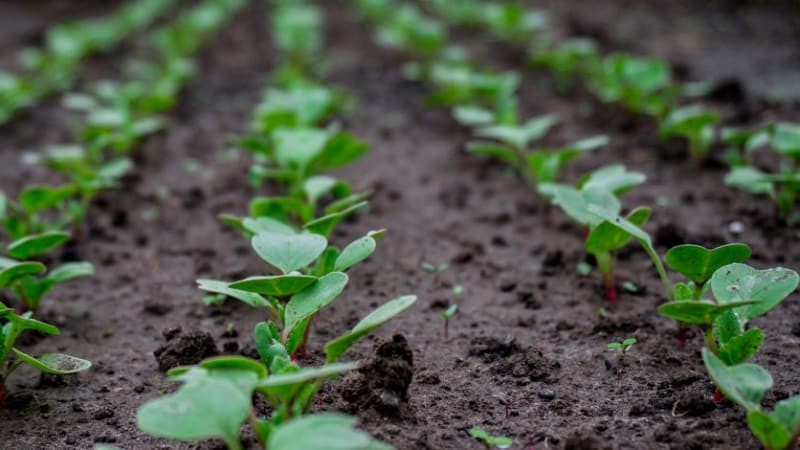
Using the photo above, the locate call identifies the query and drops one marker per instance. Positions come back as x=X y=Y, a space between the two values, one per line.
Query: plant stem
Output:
x=3 y=394
x=681 y=335
x=605 y=262
x=233 y=444
x=710 y=341
x=253 y=421
x=662 y=273
x=445 y=328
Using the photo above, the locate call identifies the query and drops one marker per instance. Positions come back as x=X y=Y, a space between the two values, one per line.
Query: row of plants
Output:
x=720 y=294
x=54 y=67
x=295 y=141
x=44 y=218
x=646 y=86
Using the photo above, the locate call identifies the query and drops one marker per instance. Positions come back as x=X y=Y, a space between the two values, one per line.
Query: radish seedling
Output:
x=698 y=264
x=215 y=400
x=743 y=142
x=642 y=84
x=447 y=315
x=742 y=294
x=694 y=123
x=20 y=275
x=745 y=385
x=312 y=276
x=11 y=326
x=488 y=440
x=218 y=393
x=623 y=346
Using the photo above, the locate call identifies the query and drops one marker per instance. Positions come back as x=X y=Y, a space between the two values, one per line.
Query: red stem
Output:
x=682 y=337
x=717 y=395
x=611 y=294
x=445 y=328
x=2 y=395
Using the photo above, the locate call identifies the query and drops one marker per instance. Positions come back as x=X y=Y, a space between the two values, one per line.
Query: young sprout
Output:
x=20 y=275
x=447 y=315
x=743 y=143
x=642 y=84
x=488 y=440
x=435 y=269
x=623 y=346
x=12 y=326
x=745 y=385
x=569 y=59
x=694 y=123
x=458 y=290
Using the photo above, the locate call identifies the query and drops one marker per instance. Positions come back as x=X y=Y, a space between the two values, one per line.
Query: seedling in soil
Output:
x=488 y=440
x=458 y=290
x=404 y=27
x=694 y=123
x=447 y=315
x=30 y=213
x=11 y=326
x=742 y=293
x=745 y=385
x=311 y=277
x=623 y=346
x=458 y=83
x=21 y=275
x=435 y=269
x=743 y=142
x=218 y=393
x=215 y=400
x=569 y=59
x=641 y=84
x=698 y=264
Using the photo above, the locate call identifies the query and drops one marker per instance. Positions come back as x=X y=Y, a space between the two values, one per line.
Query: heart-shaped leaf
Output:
x=221 y=287
x=769 y=431
x=289 y=252
x=315 y=297
x=55 y=363
x=335 y=348
x=354 y=253
x=736 y=282
x=701 y=312
x=278 y=286
x=37 y=244
x=698 y=263
x=744 y=384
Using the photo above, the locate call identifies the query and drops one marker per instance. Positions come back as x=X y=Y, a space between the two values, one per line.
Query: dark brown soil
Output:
x=529 y=338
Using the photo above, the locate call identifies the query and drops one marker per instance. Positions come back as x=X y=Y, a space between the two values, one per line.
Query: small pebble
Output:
x=736 y=227
x=546 y=394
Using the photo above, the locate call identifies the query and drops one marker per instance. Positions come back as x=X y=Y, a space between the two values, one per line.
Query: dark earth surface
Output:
x=530 y=334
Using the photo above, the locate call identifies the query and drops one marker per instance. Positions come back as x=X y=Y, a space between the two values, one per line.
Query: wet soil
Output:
x=526 y=354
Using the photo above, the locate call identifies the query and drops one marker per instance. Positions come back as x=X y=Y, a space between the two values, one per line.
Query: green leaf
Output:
x=769 y=287
x=257 y=225
x=38 y=198
x=576 y=203
x=315 y=297
x=606 y=237
x=278 y=286
x=304 y=375
x=702 y=312
x=11 y=270
x=336 y=348
x=492 y=150
x=317 y=186
x=743 y=384
x=751 y=180
x=289 y=252
x=267 y=342
x=298 y=147
x=24 y=322
x=326 y=431
x=698 y=263
x=354 y=253
x=70 y=271
x=324 y=225
x=473 y=116
x=614 y=178
x=787 y=412
x=55 y=363
x=769 y=431
x=204 y=407
x=37 y=244
x=741 y=348
x=221 y=287
x=786 y=139
x=339 y=151
x=518 y=136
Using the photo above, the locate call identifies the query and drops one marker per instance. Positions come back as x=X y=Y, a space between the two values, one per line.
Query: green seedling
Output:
x=584 y=269
x=218 y=393
x=311 y=277
x=743 y=143
x=642 y=84
x=746 y=385
x=435 y=269
x=33 y=211
x=630 y=286
x=296 y=28
x=781 y=188
x=604 y=239
x=459 y=83
x=696 y=124
x=12 y=326
x=570 y=59
x=447 y=315
x=623 y=346
x=215 y=400
x=698 y=264
x=404 y=27
x=742 y=294
x=458 y=290
x=488 y=440
x=303 y=103
x=24 y=278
